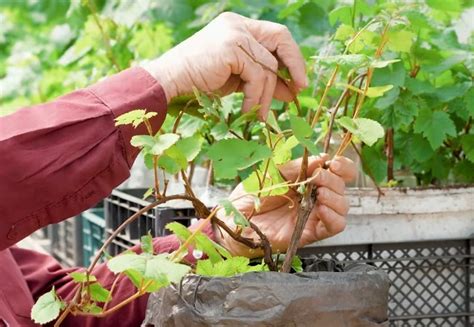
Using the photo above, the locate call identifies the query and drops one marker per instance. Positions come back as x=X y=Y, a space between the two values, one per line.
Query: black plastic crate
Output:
x=122 y=204
x=66 y=241
x=93 y=233
x=119 y=244
x=432 y=282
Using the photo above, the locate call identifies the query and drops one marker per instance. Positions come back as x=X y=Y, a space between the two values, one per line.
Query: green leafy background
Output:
x=49 y=47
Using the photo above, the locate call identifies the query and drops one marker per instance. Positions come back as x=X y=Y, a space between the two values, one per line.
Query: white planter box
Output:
x=405 y=215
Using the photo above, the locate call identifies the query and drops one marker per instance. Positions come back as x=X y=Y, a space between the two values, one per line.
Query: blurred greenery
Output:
x=50 y=47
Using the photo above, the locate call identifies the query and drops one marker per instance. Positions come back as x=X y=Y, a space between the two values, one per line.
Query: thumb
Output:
x=291 y=169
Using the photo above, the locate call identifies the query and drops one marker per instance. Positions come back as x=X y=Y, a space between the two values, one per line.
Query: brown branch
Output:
x=389 y=153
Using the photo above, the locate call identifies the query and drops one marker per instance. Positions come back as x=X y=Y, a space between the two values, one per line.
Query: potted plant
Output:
x=242 y=148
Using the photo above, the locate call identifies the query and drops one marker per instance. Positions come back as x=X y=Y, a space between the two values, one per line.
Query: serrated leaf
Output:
x=179 y=230
x=400 y=41
x=304 y=133
x=272 y=178
x=282 y=151
x=226 y=268
x=467 y=142
x=81 y=277
x=435 y=126
x=127 y=261
x=230 y=156
x=341 y=14
x=190 y=146
x=163 y=142
x=134 y=117
x=98 y=293
x=161 y=265
x=367 y=130
x=231 y=210
x=140 y=141
x=207 y=246
x=344 y=32
x=146 y=242
x=47 y=308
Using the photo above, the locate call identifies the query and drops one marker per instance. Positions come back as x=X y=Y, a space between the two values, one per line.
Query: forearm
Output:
x=62 y=157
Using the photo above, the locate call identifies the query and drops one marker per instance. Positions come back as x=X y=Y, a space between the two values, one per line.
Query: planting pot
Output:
x=355 y=296
x=406 y=215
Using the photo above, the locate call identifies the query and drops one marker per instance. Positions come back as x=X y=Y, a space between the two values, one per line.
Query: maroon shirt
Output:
x=58 y=159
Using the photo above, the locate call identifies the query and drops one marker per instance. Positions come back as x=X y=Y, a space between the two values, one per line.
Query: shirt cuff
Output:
x=128 y=90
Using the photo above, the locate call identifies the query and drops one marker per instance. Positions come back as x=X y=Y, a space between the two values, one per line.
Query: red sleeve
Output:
x=41 y=272
x=60 y=158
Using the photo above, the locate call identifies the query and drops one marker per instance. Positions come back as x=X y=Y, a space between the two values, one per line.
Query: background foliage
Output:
x=49 y=47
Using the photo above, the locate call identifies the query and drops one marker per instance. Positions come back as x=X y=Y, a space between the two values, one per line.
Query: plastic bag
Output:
x=327 y=294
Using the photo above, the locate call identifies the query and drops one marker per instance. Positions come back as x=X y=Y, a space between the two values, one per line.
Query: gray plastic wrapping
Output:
x=354 y=297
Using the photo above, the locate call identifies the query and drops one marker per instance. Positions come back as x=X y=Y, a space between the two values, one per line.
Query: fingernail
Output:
x=335 y=166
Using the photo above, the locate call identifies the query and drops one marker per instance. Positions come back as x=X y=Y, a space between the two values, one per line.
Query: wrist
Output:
x=158 y=70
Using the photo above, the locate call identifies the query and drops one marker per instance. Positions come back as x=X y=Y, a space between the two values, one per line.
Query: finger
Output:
x=252 y=53
x=343 y=167
x=291 y=169
x=333 y=200
x=270 y=65
x=325 y=178
x=282 y=92
x=330 y=222
x=277 y=38
x=253 y=76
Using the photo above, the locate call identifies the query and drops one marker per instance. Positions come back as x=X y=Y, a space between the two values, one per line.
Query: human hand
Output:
x=234 y=53
x=276 y=217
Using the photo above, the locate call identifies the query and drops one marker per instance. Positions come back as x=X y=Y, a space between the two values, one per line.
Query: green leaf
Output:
x=92 y=308
x=179 y=230
x=134 y=117
x=388 y=98
x=282 y=151
x=344 y=32
x=366 y=39
x=467 y=142
x=146 y=243
x=140 y=141
x=383 y=63
x=448 y=93
x=163 y=142
x=341 y=14
x=81 y=277
x=46 y=308
x=401 y=114
x=272 y=178
x=161 y=265
x=148 y=192
x=378 y=91
x=207 y=246
x=127 y=261
x=418 y=87
x=304 y=133
x=291 y=8
x=98 y=293
x=345 y=60
x=367 y=130
x=393 y=74
x=190 y=146
x=297 y=264
x=418 y=148
x=469 y=100
x=374 y=162
x=452 y=5
x=226 y=268
x=230 y=156
x=400 y=41
x=435 y=126
x=231 y=210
